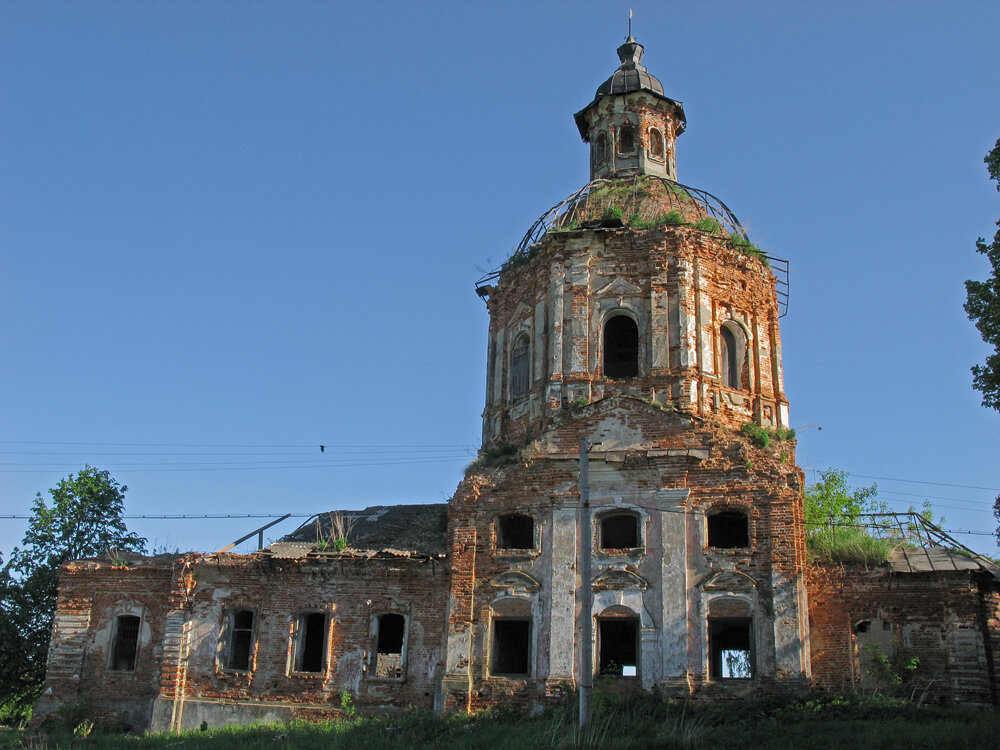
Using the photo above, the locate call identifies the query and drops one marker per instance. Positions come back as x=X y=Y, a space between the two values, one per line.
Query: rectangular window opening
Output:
x=730 y=653
x=310 y=643
x=620 y=531
x=240 y=651
x=389 y=647
x=516 y=532
x=511 y=647
x=126 y=643
x=618 y=640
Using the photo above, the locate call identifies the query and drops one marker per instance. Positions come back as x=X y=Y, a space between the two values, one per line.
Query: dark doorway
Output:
x=618 y=640
x=729 y=656
x=511 y=647
x=621 y=348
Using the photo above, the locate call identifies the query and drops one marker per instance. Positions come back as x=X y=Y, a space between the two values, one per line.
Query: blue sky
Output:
x=231 y=232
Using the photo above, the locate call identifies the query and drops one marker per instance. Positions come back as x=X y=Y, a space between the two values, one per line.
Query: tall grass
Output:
x=631 y=721
x=847 y=544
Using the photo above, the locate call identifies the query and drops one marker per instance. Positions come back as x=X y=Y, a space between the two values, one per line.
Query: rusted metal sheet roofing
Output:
x=930 y=560
x=401 y=529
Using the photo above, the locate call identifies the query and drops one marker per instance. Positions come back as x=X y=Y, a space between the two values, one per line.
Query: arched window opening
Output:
x=516 y=531
x=389 y=645
x=728 y=529
x=655 y=143
x=125 y=644
x=601 y=149
x=519 y=361
x=732 y=345
x=621 y=348
x=511 y=646
x=626 y=139
x=620 y=531
x=618 y=643
x=310 y=642
x=730 y=655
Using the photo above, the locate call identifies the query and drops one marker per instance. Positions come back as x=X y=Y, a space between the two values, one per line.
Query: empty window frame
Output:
x=730 y=654
x=728 y=529
x=516 y=531
x=238 y=639
x=601 y=149
x=655 y=143
x=125 y=643
x=618 y=646
x=626 y=139
x=511 y=652
x=390 y=640
x=520 y=361
x=621 y=348
x=310 y=643
x=732 y=355
x=619 y=531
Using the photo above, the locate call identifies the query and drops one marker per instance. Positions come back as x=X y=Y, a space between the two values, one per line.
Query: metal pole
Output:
x=587 y=596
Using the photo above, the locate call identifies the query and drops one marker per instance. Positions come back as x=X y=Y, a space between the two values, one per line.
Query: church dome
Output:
x=640 y=201
x=631 y=74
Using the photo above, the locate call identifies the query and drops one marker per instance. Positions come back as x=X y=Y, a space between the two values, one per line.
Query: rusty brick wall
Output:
x=350 y=590
x=543 y=482
x=709 y=282
x=940 y=618
x=91 y=595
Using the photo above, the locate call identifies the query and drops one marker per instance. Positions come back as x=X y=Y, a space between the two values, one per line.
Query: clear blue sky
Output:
x=258 y=224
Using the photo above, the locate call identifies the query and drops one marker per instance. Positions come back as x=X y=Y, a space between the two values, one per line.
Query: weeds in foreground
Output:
x=630 y=721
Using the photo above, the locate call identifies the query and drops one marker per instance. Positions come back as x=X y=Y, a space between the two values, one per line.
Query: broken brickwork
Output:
x=680 y=285
x=635 y=314
x=948 y=620
x=184 y=674
x=670 y=472
x=92 y=596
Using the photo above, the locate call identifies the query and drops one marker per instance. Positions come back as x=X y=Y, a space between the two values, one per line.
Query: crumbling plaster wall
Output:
x=679 y=285
x=352 y=591
x=91 y=595
x=950 y=621
x=669 y=468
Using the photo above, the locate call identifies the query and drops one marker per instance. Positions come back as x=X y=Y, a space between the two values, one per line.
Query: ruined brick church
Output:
x=634 y=334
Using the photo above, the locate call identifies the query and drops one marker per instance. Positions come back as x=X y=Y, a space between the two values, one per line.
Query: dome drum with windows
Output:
x=635 y=284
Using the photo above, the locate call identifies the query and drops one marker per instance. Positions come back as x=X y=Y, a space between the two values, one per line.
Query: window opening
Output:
x=511 y=647
x=621 y=348
x=516 y=531
x=126 y=643
x=311 y=642
x=655 y=143
x=389 y=647
x=240 y=649
x=519 y=361
x=730 y=373
x=618 y=640
x=601 y=151
x=729 y=653
x=626 y=139
x=728 y=530
x=620 y=531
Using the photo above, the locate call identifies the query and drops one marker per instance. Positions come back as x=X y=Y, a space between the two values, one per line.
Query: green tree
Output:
x=832 y=502
x=84 y=520
x=982 y=304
